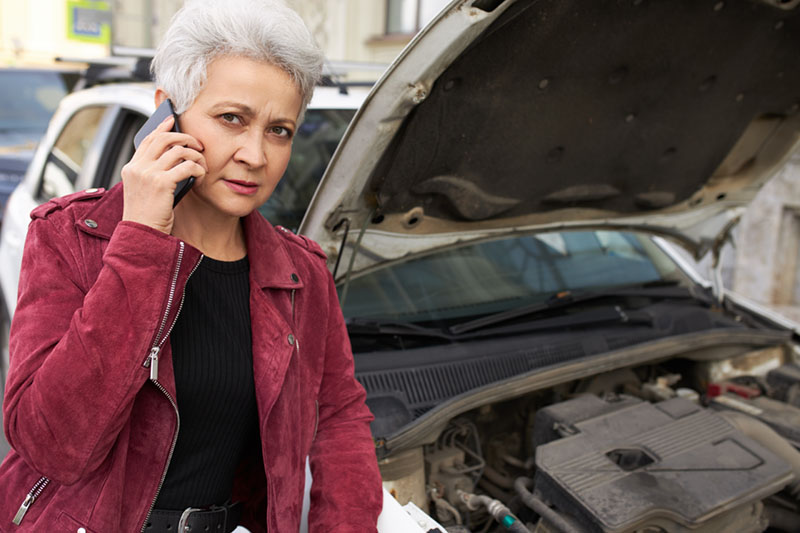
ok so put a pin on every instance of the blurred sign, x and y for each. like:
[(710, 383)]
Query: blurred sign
[(89, 21)]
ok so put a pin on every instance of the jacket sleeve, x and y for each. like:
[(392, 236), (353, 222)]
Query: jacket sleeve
[(77, 345), (346, 494)]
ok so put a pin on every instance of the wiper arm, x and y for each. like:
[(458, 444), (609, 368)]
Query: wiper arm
[(362, 326), (568, 298), (582, 319)]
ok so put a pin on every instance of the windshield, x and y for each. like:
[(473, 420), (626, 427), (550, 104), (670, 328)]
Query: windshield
[(498, 275), (312, 148), (29, 98)]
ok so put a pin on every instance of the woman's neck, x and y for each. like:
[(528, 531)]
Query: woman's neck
[(215, 235)]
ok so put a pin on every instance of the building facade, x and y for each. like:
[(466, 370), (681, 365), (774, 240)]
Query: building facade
[(765, 259), (35, 32), (359, 37)]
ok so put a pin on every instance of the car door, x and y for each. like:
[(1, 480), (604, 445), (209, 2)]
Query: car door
[(90, 150), (73, 158)]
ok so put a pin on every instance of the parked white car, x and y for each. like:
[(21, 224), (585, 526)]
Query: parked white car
[(90, 138)]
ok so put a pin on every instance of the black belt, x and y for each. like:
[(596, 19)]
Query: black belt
[(216, 519)]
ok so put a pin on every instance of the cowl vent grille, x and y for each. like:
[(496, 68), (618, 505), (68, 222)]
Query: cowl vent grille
[(425, 385)]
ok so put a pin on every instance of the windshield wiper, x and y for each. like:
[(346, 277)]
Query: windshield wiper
[(661, 289), (363, 326)]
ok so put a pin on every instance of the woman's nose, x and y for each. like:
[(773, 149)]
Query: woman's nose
[(252, 150)]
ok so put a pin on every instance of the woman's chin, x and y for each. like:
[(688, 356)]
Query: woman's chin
[(227, 204)]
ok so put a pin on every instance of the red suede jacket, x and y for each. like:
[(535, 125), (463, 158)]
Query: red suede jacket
[(90, 408)]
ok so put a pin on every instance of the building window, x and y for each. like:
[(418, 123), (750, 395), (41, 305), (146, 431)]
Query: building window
[(787, 264), (409, 16)]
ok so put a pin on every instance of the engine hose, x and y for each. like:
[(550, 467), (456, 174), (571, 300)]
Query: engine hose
[(767, 437), (501, 480), (556, 520), (441, 503), (496, 508)]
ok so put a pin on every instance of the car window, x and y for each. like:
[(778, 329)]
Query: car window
[(29, 98), (67, 156), (496, 275), (119, 149), (312, 149)]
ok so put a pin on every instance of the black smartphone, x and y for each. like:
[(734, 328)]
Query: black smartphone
[(161, 113)]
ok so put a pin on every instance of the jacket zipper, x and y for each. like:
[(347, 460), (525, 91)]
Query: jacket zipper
[(34, 493), (169, 457), (152, 362)]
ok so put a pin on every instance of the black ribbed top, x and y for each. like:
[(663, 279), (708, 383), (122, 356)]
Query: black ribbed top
[(213, 360)]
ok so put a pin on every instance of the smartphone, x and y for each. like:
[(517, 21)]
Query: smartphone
[(161, 113)]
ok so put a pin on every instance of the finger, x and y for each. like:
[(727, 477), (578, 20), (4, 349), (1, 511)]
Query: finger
[(183, 170), (164, 126), (164, 140), (176, 154)]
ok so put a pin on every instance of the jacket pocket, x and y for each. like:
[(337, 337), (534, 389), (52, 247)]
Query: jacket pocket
[(67, 524)]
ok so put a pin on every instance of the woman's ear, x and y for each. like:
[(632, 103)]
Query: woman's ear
[(160, 96)]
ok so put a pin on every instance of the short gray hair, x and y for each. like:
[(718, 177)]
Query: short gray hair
[(264, 30)]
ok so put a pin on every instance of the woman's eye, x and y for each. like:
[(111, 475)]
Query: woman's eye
[(281, 131), (230, 118)]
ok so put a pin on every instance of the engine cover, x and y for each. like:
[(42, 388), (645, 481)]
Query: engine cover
[(672, 464)]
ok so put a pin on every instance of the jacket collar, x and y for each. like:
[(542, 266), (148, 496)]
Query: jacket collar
[(271, 265)]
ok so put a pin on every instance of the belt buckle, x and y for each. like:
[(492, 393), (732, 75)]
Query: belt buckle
[(182, 523), (224, 509)]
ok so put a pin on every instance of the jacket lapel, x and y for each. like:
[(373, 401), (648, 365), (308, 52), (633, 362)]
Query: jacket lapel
[(273, 280)]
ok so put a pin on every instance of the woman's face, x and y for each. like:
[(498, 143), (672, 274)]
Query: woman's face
[(245, 117)]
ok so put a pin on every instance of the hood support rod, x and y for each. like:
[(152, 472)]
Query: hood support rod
[(725, 236)]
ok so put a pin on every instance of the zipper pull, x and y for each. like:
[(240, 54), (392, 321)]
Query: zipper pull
[(154, 363), (23, 509)]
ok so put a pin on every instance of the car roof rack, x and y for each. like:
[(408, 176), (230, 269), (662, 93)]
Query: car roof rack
[(333, 73), (133, 64), (111, 69)]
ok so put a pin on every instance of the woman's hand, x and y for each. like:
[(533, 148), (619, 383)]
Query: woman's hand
[(163, 159)]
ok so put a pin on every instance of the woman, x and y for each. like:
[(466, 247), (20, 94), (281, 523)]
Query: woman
[(171, 370)]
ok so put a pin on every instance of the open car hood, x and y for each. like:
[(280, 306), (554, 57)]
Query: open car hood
[(525, 115)]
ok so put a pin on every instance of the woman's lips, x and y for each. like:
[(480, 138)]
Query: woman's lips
[(241, 187)]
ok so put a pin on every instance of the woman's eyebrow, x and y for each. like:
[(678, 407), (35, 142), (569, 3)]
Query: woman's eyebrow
[(241, 108), (245, 110)]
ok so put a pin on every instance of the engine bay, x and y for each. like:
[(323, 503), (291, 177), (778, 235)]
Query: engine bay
[(702, 443)]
